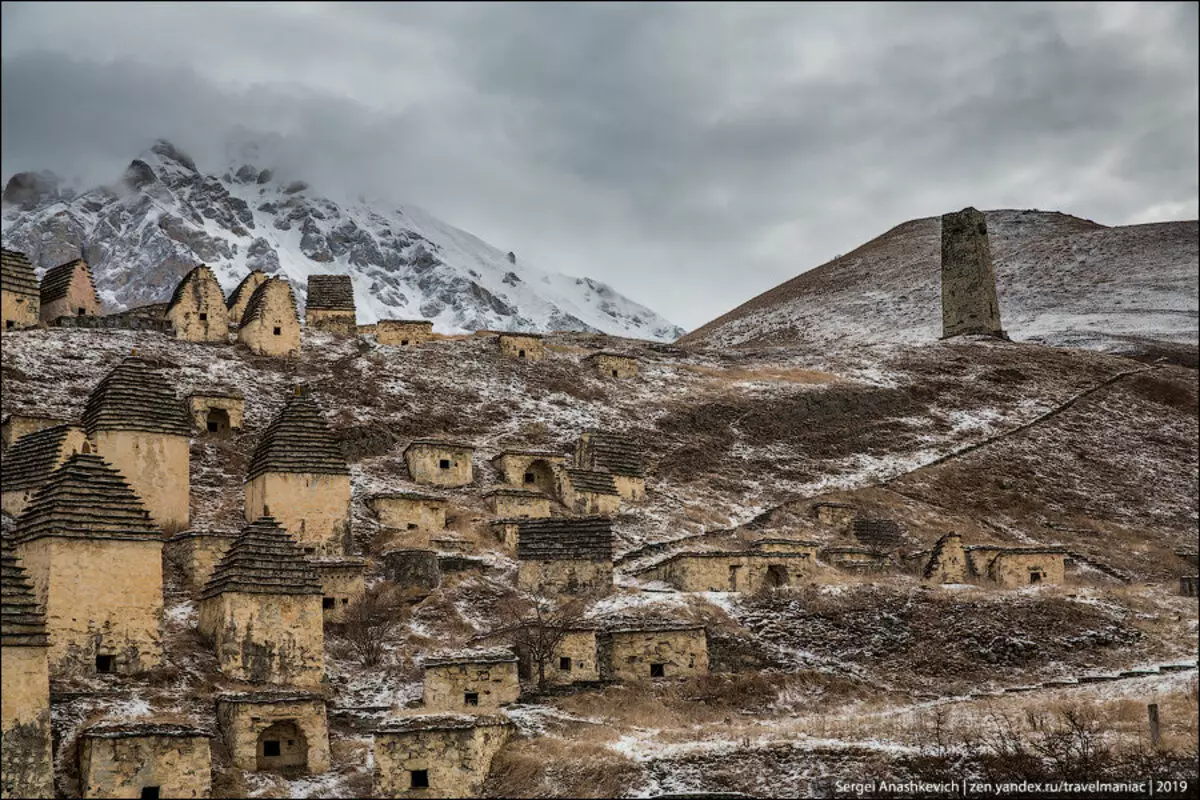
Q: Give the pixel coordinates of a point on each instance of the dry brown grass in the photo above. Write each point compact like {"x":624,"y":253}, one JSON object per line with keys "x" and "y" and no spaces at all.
{"x":550,"y":767}
{"x":763,"y":374}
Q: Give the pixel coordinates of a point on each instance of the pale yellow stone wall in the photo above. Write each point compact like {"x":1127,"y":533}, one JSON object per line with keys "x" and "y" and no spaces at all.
{"x":395,"y":332}
{"x":266,"y":638}
{"x":615,"y":366}
{"x":409,"y":514}
{"x":1013,"y":570}
{"x":25,"y":764}
{"x":630,"y":487}
{"x":783,"y":546}
{"x":200,"y":315}
{"x":589,"y":502}
{"x":425,"y":465}
{"x":507,"y":534}
{"x":313,"y":508}
{"x":835,"y":517}
{"x":580,"y":648}
{"x":950,"y":564}
{"x":514,"y":466}
{"x":342,"y":584}
{"x":526,"y":347}
{"x":157,"y":467}
{"x":80,"y":297}
{"x":180,"y":766}
{"x":733,"y":573}
{"x":18,"y":311}
{"x":197,"y":556}
{"x":496,"y":685}
{"x":279,"y":315}
{"x":682,"y":654}
{"x":13,"y":502}
{"x":243,"y":723}
{"x":17,"y":425}
{"x":456,"y":761}
{"x":239,"y":308}
{"x":553,"y":578}
{"x":342,"y":323}
{"x":200,"y":405}
{"x":102,"y":597}
{"x":519,"y":506}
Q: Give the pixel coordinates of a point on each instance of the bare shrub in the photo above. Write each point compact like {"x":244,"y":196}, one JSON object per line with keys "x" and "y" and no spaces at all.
{"x":370,"y":620}
{"x":536,"y":627}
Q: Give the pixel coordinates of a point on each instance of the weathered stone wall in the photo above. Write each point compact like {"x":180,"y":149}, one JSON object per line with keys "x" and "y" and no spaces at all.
{"x":312,"y":507}
{"x":266,"y":638}
{"x":17,"y":425}
{"x":157,"y":467}
{"x":749,"y":572}
{"x":196,"y":554}
{"x":507,"y":533}
{"x":526,"y":347}
{"x":969,"y":302}
{"x":446,"y":686}
{"x":508,"y":506}
{"x":516,"y":468}
{"x":199,"y":315}
{"x":102,"y":597}
{"x":580,"y":648}
{"x":342,"y":323}
{"x":180,"y":766}
{"x":615,"y":366}
{"x":400,"y":332}
{"x":342,"y":582}
{"x":79,"y":301}
{"x":412,"y":569}
{"x":630,"y":655}
{"x":456,"y":761}
{"x":589,"y":503}
{"x":276,"y":331}
{"x":838,"y":517}
{"x":425,"y":465}
{"x":553,"y":578}
{"x":25,"y":762}
{"x":18,"y":311}
{"x":1012,"y":570}
{"x":410,"y":514}
{"x":856,"y":560}
{"x":238,"y":309}
{"x":630,"y":487}
{"x":786,"y":546}
{"x":243,"y":723}
{"x":200,"y":405}
{"x":948,"y":563}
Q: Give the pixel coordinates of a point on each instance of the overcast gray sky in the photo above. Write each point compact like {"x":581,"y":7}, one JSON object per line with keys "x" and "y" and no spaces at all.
{"x":692,"y":155}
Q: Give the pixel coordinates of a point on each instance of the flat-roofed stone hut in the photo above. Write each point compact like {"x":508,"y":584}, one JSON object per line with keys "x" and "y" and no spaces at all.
{"x":565,"y":556}
{"x":437,"y":755}
{"x":1013,"y":567}
{"x":470,"y":680}
{"x":270,"y":325}
{"x":733,"y":570}
{"x":144,"y":758}
{"x":67,"y":291}
{"x":33,"y":460}
{"x":235,"y":305}
{"x":529,"y":469}
{"x":217,"y":412}
{"x":330,"y":305}
{"x":275,"y":731}
{"x":615,"y":454}
{"x":197,"y":309}
{"x":403,"y":332}
{"x":612,"y":365}
{"x":439,"y":462}
{"x":642,"y":652}
{"x":410,"y":511}
{"x":509,"y":502}
{"x":20,"y":297}
{"x":524,"y":346}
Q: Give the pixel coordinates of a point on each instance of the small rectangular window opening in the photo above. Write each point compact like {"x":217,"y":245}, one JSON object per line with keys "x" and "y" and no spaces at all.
{"x":658,"y":670}
{"x":564,"y":663}
{"x":418,"y":779}
{"x":150,"y":793}
{"x":328,"y":602}
{"x":271,"y":747}
{"x":278,"y":331}
{"x":471,"y":698}
{"x":212,"y":427}
{"x":530,"y":477}
{"x":203,"y":316}
{"x":520,"y":354}
{"x":104,"y":664}
{"x":9,"y":324}
{"x":444,"y":463}
{"x":80,"y":312}
{"x":614,"y":372}
{"x":404,"y":341}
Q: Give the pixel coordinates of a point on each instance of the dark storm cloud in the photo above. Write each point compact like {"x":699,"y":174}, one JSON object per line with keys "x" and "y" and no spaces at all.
{"x":690,"y":154}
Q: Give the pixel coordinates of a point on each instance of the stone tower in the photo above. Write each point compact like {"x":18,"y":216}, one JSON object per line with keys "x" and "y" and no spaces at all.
{"x":240,"y":297}
{"x":299,"y":476}
{"x":968,"y":281}
{"x":270,"y":325}
{"x":261,"y":609}
{"x":197,"y":309}
{"x":25,"y":762}
{"x":95,"y":558}
{"x":31,"y":462}
{"x":20,"y":297}
{"x":330,"y":305}
{"x":67,"y":291}
{"x":948,"y":561}
{"x":141,"y":428}
{"x":611,"y":452}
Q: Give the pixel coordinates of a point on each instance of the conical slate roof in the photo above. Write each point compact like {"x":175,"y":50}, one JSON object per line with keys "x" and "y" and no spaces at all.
{"x":298,"y":440}
{"x":33,"y":458}
{"x":135,"y":397}
{"x":16,"y":273}
{"x":330,"y":292}
{"x":22,"y":623}
{"x":264,"y":559}
{"x":86,"y":498}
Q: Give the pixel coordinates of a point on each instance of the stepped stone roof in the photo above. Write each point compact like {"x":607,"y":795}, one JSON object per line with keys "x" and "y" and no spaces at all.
{"x":57,"y":281}
{"x":331,"y":292}
{"x":512,"y":491}
{"x":442,"y":443}
{"x":496,"y":655}
{"x":257,"y":305}
{"x":1030,"y":550}
{"x":22,"y":622}
{"x":196,"y":273}
{"x":587,"y":480}
{"x":428,"y":322}
{"x":245,"y":286}
{"x":884,"y":534}
{"x":86,"y":498}
{"x":565,"y":539}
{"x":298,"y":440}
{"x":127,"y":730}
{"x":610,"y":354}
{"x":135,"y":397}
{"x":16,"y":273}
{"x":614,"y":453}
{"x":264,"y":559}
{"x":33,"y":458}
{"x":267,"y":697}
{"x":440,"y":722}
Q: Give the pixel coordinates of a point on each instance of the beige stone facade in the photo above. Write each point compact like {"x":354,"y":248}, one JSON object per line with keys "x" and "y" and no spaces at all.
{"x":275,"y":731}
{"x":16,"y":425}
{"x":126,"y":760}
{"x":529,"y":469}
{"x":439,"y":463}
{"x":581,"y":499}
{"x":157,"y":466}
{"x":197,"y":309}
{"x":571,"y":577}
{"x":631,"y":488}
{"x":343,"y":580}
{"x":403,"y":332}
{"x":67,"y":291}
{"x":948,"y":561}
{"x":521,"y":346}
{"x":441,"y":755}
{"x":217,"y":414}
{"x":733,"y":571}
{"x":409,"y":511}
{"x":518,"y":504}
{"x":270,"y":325}
{"x":266,"y":638}
{"x":856,"y":559}
{"x":196,"y":553}
{"x":575,"y":659}
{"x":471,"y":682}
{"x":780,"y":545}
{"x":19,"y":305}
{"x":240,"y":298}
{"x":25,"y":763}
{"x":313,"y":507}
{"x":1013,"y":567}
{"x":613,"y":365}
{"x":342,"y":323}
{"x":640,"y":655}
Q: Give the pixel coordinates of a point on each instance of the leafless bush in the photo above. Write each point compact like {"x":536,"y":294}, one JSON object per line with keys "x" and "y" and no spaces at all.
{"x":369,"y":621}
{"x":536,"y":627}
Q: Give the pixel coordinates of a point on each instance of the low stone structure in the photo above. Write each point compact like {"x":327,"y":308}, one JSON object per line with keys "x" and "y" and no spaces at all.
{"x":565,"y":556}
{"x":615,"y":454}
{"x":1013,"y":567}
{"x":132,"y":320}
{"x":299,"y":476}
{"x":410,"y":511}
{"x":452,"y":544}
{"x":838,"y":516}
{"x":32,"y":460}
{"x":144,"y":759}
{"x":784,"y":545}
{"x":512,"y":503}
{"x":948,"y":561}
{"x":529,"y":469}
{"x":275,"y":731}
{"x":26,"y":765}
{"x":196,"y":554}
{"x":67,"y":291}
{"x":236,"y":304}
{"x":343,"y":580}
{"x":138,"y":424}
{"x":969,"y":304}
{"x":644,"y":652}
{"x":217,"y":412}
{"x":412,"y":569}
{"x":329,"y":305}
{"x":471,"y":680}
{"x":856,"y":559}
{"x":403,"y":332}
{"x":270,"y":325}
{"x":437,"y":755}
{"x":526,"y":346}
{"x":733,"y":570}
{"x":575,"y":659}
{"x":20,"y":423}
{"x":261,"y":610}
{"x":20,"y":297}
{"x":612,"y":365}
{"x":439,"y":462}
{"x":95,"y":560}
{"x":586,"y":491}
{"x":197,"y":310}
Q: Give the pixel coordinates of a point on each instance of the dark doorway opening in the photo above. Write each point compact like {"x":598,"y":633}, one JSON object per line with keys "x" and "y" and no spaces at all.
{"x":777,"y":576}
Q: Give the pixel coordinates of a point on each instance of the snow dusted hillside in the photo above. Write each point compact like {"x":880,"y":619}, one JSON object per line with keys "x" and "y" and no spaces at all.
{"x":165,"y":215}
{"x":1061,"y":280}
